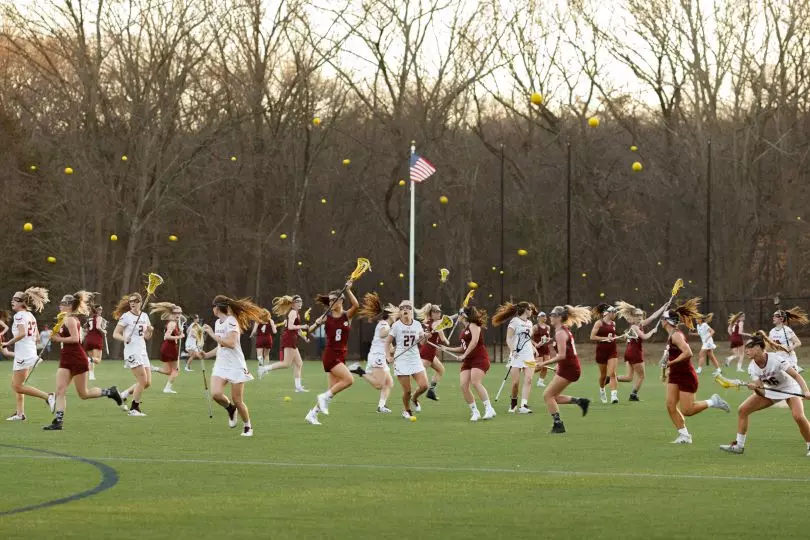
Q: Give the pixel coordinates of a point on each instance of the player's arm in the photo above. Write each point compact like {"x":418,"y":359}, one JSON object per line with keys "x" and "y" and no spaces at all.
{"x":799,"y":379}
{"x":255,"y":329}
{"x":353,"y":300}
{"x":21,"y":333}
{"x":686,"y":352}
{"x":118,"y":333}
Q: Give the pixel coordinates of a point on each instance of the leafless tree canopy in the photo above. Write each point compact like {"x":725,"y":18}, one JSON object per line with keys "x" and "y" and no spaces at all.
{"x":214,"y":104}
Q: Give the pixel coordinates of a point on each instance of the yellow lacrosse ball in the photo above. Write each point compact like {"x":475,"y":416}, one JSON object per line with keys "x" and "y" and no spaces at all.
{"x":472,"y":285}
{"x":522,"y":252}
{"x":283,"y":236}
{"x":323,"y":200}
{"x":233,"y":158}
{"x":593,"y":121}
{"x":114,"y":238}
{"x":633,"y":148}
{"x":333,"y":231}
{"x":435,"y":225}
{"x":413,"y":419}
{"x":51,"y":260}
{"x":124,"y":158}
{"x":537,"y":98}
{"x":68,"y":170}
{"x":443,"y":199}
{"x":637,"y":166}
{"x":33,"y":168}
{"x":584,"y":274}
{"x":28,"y":227}
{"x":402,"y":182}
{"x":316,"y":121}
{"x":346,"y":161}
{"x":172,"y":238}
{"x":401,"y":275}
{"x":287,"y":399}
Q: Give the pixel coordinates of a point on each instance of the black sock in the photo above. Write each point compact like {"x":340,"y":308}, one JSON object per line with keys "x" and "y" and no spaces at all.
{"x":105,"y":392}
{"x":556,"y":417}
{"x":136,"y":406}
{"x":514,"y":402}
{"x":635,"y":391}
{"x":60,"y":415}
{"x":231,"y":408}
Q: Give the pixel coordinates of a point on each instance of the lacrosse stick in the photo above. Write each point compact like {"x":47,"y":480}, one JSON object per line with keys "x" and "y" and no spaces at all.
{"x":737,"y":383}
{"x":503,"y":382}
{"x":443,"y":273}
{"x":154,"y":281}
{"x":103,"y":326}
{"x":464,"y":304}
{"x":445,"y":322}
{"x":181,"y":323}
{"x":675,"y":289}
{"x":363,"y":266}
{"x":206,"y":392}
{"x":445,"y":351}
{"x":306,"y":315}
{"x":60,"y":320}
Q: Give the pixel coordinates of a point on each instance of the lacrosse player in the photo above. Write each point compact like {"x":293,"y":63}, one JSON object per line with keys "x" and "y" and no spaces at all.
{"x":263,"y":332}
{"x":783,"y":334}
{"x":634,"y":351}
{"x":407,"y":333}
{"x":521,"y":351}
{"x":607,"y":354}
{"x":429,"y":315}
{"x":133,"y":329}
{"x":707,"y":345}
{"x":289,"y":308}
{"x":194,"y":341}
{"x":474,"y":361}
{"x":377,"y":373}
{"x":541,"y":344}
{"x":172,"y":336}
{"x":94,"y":340}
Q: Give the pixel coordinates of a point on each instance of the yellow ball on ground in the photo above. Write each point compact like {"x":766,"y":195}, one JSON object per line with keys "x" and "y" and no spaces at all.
{"x":68,"y":170}
{"x":124,"y":158}
{"x":593,"y":121}
{"x":413,"y":419}
{"x":472,"y":285}
{"x":402,"y":182}
{"x":346,"y":161}
{"x":316,"y":121}
{"x":537,"y":98}
{"x":633,"y":148}
{"x":28,"y":227}
{"x":172,"y":238}
{"x":114,"y":237}
{"x":51,"y":260}
{"x":287,"y":399}
{"x":522,"y":252}
{"x":283,"y":236}
{"x":443,"y":199}
{"x":637,"y":166}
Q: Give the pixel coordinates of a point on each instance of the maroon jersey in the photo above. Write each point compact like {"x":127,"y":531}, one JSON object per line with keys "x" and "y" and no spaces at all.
{"x":634,"y":352}
{"x":428,"y":352}
{"x":569,"y":368}
{"x":263,"y":330}
{"x":94,"y":340}
{"x":337,"y":333}
{"x":539,"y":333}
{"x":168,"y":349}
{"x":480,"y":351}
{"x":605,"y":351}
{"x":673,"y":352}
{"x":289,"y":338}
{"x":72,"y":355}
{"x":735,"y":337}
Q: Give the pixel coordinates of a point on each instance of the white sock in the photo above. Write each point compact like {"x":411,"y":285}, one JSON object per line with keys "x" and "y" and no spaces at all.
{"x":314,"y":410}
{"x":684,"y":431}
{"x":523,"y":402}
{"x":487,"y":404}
{"x":381,"y":403}
{"x":247,"y":425}
{"x":329,"y":395}
{"x":125,"y":394}
{"x":473,"y":407}
{"x":741,"y":440}
{"x":614,"y":392}
{"x":298,"y":382}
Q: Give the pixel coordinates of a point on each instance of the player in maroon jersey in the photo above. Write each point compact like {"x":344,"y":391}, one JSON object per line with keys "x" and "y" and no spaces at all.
{"x":73,"y":363}
{"x":568,"y":369}
{"x":634,"y":351}
{"x":94,"y":340}
{"x":264,"y":339}
{"x":736,"y":329}
{"x":682,"y":381}
{"x":604,"y":334}
{"x":337,"y":323}
{"x":430,"y":315}
{"x":289,"y":307}
{"x":541,"y":340}
{"x":169,"y":349}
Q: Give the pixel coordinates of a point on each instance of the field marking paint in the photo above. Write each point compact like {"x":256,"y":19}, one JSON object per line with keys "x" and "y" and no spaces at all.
{"x":422,"y":468}
{"x":109,"y":478}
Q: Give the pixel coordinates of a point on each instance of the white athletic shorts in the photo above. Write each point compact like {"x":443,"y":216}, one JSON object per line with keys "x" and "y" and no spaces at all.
{"x":376,"y":361}
{"x":408,"y":367}
{"x":231,"y":374}
{"x":519,"y":363}
{"x":192,"y":348}
{"x":137,"y":359}
{"x":708,"y":346}
{"x":24,"y":363}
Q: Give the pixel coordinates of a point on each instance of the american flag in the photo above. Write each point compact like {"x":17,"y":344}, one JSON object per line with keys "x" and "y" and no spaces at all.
{"x":421,"y":169}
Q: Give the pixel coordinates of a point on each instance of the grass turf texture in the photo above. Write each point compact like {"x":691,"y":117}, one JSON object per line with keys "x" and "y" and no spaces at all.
{"x":365,"y":475}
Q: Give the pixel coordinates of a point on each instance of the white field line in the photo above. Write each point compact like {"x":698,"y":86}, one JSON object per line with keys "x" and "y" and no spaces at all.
{"x":423,"y":468}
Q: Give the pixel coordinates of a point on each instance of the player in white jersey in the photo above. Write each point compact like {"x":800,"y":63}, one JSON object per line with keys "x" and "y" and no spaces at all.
{"x":707,"y":346}
{"x":233,"y":318}
{"x":377,"y":373}
{"x":770,"y":373}
{"x":24,"y":340}
{"x":784,"y":335}
{"x":133,"y":329}
{"x":407,"y":333}
{"x":521,"y":350}
{"x":195,"y":339}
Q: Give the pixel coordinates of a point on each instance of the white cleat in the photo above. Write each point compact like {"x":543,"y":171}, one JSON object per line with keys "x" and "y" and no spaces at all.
{"x":719,"y":403}
{"x":416,"y":406}
{"x":699,"y":370}
{"x":406,"y":415}
{"x":524,"y":410}
{"x":312,"y":418}
{"x":168,"y":391}
{"x":301,"y":389}
{"x":154,"y":369}
{"x":683,"y":439}
{"x":383,"y":409}
{"x":136,"y":412}
{"x":323,"y":404}
{"x":188,"y":369}
{"x":16,"y":418}
{"x":476,"y":416}
{"x":603,"y":395}
{"x":732,"y":448}
{"x":512,"y":409}
{"x":489,"y":414}
{"x":614,"y":397}
{"x":262,"y":371}
{"x":52,"y":402}
{"x":248,"y":432}
{"x":717,"y":372}
{"x":541,"y":383}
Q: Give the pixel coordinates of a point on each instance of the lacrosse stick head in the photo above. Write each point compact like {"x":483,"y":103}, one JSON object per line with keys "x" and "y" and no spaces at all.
{"x":467,"y":298}
{"x":153,"y":282}
{"x":445,"y":323}
{"x":443,"y":273}
{"x":307,"y":314}
{"x":60,"y":320}
{"x":363,"y":266}
{"x":728,"y":383}
{"x":677,"y":287}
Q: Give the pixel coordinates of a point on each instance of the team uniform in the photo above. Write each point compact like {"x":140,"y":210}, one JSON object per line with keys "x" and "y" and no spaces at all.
{"x":72,"y":356}
{"x":134,"y":327}
{"x":606,"y":350}
{"x":479,"y":357}
{"x":523,"y":351}
{"x":94,"y":340}
{"x":539,"y":333}
{"x":230,"y":363}
{"x":289,"y":338}
{"x":634,"y":351}
{"x":774,"y":376}
{"x":428,"y":352}
{"x":169,"y":348}
{"x":735,"y":338}
{"x":784,"y":336}
{"x":264,"y":337}
{"x":683,"y":373}
{"x":25,"y":350}
{"x":337,"y":341}
{"x":192,"y":343}
{"x":405,"y":336}
{"x":569,"y":368}
{"x":706,"y":337}
{"x":376,"y":355}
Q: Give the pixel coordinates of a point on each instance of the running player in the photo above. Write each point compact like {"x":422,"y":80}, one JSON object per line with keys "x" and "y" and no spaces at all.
{"x":707,"y":346}
{"x":783,"y":334}
{"x":289,"y":307}
{"x":430,"y":315}
{"x":172,"y":336}
{"x":407,"y":333}
{"x":133,"y":329}
{"x":736,"y":328}
{"x":607,"y":354}
{"x":94,"y":340}
{"x":636,"y":336}
{"x":195,"y":341}
{"x":541,"y":342}
{"x":377,"y":373}
{"x":521,"y":350}
{"x":264,"y":339}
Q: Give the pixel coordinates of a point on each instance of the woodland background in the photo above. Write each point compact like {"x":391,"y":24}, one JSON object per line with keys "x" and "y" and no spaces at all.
{"x":213,"y":104}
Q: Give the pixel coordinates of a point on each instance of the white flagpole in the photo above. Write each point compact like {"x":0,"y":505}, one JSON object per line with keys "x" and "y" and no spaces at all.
{"x":412,"y":237}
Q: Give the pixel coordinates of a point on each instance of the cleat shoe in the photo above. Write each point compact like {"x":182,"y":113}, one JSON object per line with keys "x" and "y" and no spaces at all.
{"x":136,"y":412}
{"x":732,"y":448}
{"x":357,"y":369}
{"x":524,"y":409}
{"x":431,"y":394}
{"x":248,"y":432}
{"x":614,"y":397}
{"x":323,"y":404}
{"x":476,"y":416}
{"x":512,"y":409}
{"x":168,"y":391}
{"x":231,"y":415}
{"x":154,"y":369}
{"x":51,"y":402}
{"x":262,"y":371}
{"x":699,"y":370}
{"x":16,"y":418}
{"x":633,"y":397}
{"x":719,"y":403}
{"x":188,"y":369}
{"x":558,"y":428}
{"x":584,"y":403}
{"x":489,"y":414}
{"x":383,"y":409}
{"x":541,"y":383}
{"x":300,"y":390}
{"x":115,"y":396}
{"x":56,"y":425}
{"x":312,"y":418}
{"x":603,"y":395}
{"x":416,"y":406}
{"x":407,"y":415}
{"x":717,"y":372}
{"x":683,"y":439}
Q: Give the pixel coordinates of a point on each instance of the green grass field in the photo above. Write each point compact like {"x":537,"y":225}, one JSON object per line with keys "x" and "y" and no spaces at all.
{"x":365,"y":475}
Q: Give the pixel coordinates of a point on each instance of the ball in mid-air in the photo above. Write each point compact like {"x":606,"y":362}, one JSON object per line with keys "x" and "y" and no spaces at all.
{"x":68,"y":170}
{"x":124,"y":158}
{"x":633,"y":148}
{"x":401,"y":275}
{"x":402,"y":183}
{"x":114,"y":238}
{"x":593,"y":121}
{"x":172,"y":238}
{"x":283,"y":236}
{"x":316,"y":121}
{"x":443,"y":199}
{"x":51,"y":260}
{"x":233,"y":158}
{"x":28,"y":227}
{"x":346,"y":161}
{"x":537,"y":98}
{"x":33,"y":168}
{"x":637,"y":166}
{"x":522,"y":252}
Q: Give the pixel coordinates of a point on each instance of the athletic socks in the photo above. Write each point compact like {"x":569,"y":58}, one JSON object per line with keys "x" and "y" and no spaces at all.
{"x":473,"y":406}
{"x":487,"y":404}
{"x":298,"y":382}
{"x":136,"y":406}
{"x":741,"y":441}
{"x":556,"y":417}
{"x":329,"y":395}
{"x":524,"y":402}
{"x":60,"y":416}
{"x":684,"y":431}
{"x":381,"y":403}
{"x":513,"y":403}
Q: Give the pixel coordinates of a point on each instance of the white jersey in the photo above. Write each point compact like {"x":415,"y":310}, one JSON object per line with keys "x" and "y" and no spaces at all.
{"x":405,"y":336}
{"x":226,"y":357}
{"x":378,"y":343}
{"x":522,"y":340}
{"x":774,"y":376}
{"x":784,"y":336}
{"x":191,"y":337}
{"x":705,"y":334}
{"x":137,"y":342}
{"x":26,"y":348}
